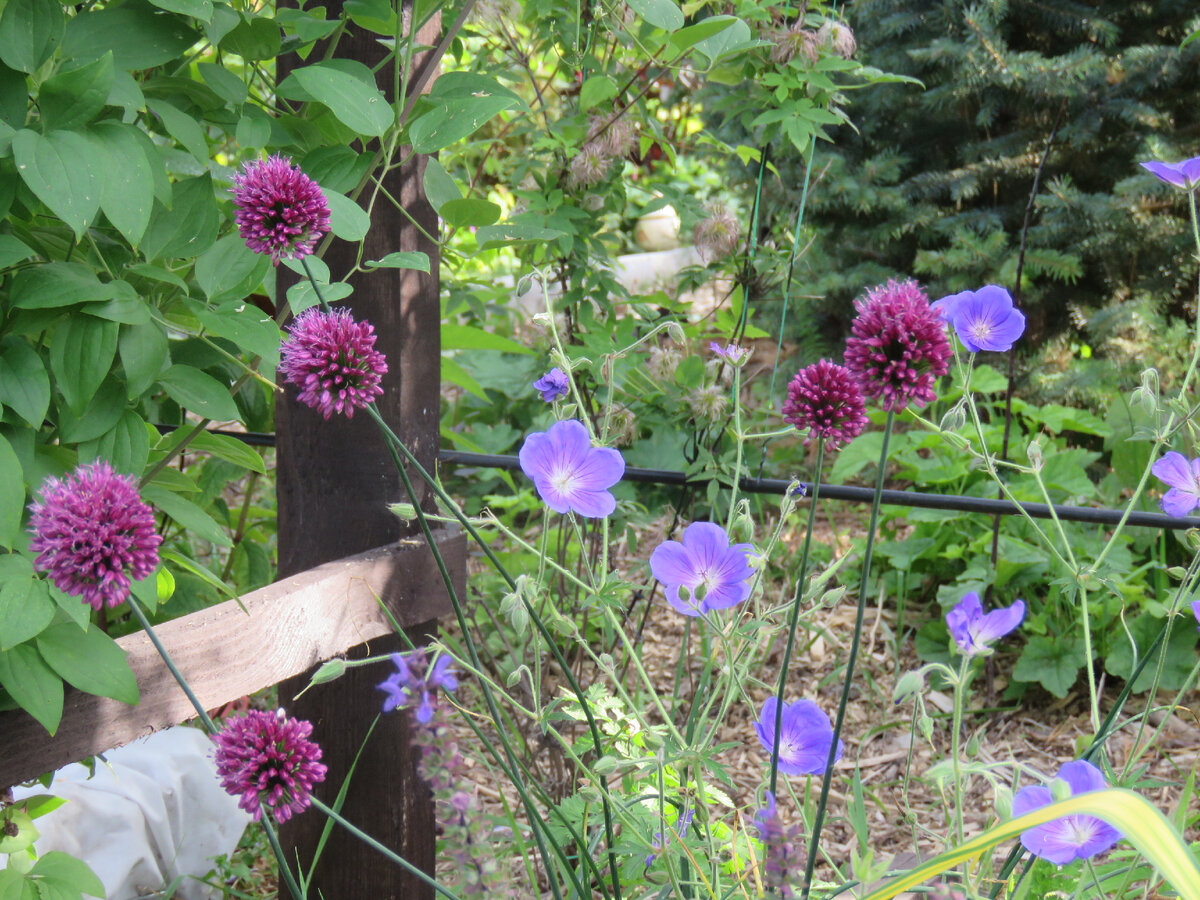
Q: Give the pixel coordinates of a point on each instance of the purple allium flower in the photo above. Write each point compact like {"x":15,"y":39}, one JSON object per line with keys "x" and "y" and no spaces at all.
{"x":1183,"y":478}
{"x":414,"y":680}
{"x":682,"y":823}
{"x":553,"y":384}
{"x":898,"y":345}
{"x":93,"y":534}
{"x":703,"y":572}
{"x":733,"y":353}
{"x":783,"y":865}
{"x":332,"y":358}
{"x":569,"y":473}
{"x":984,"y":319}
{"x":280,"y":210}
{"x":826,"y":400}
{"x":1185,"y":174}
{"x":1071,"y":837}
{"x":269,"y":760}
{"x":973,"y":631}
{"x":807,"y":734}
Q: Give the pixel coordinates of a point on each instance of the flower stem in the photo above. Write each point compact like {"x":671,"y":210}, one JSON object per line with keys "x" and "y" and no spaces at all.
{"x":795,"y":616}
{"x":863,"y":586}
{"x":960,"y":697}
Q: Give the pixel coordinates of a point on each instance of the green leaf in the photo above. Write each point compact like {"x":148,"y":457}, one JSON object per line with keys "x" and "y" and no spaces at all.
{"x":1054,"y":663}
{"x":440,"y":188}
{"x":75,"y":97}
{"x":70,"y":875}
{"x":82,"y":350}
{"x":23,"y":611}
{"x":74,"y":608}
{"x":257,"y":38}
{"x":726,"y":42}
{"x":252,"y":132}
{"x":197,"y":9}
{"x":229,"y":270}
{"x":356,"y":103}
{"x":227,"y":86}
{"x":144,"y":351}
{"x":102,"y":413}
{"x":189,"y":227}
{"x":25,"y":833}
{"x":126,"y":445}
{"x":402,"y":259}
{"x":139,"y":36}
{"x":459,"y":103}
{"x":1181,"y":652}
{"x":57,"y":284}
{"x":12,"y":251}
{"x":347,"y":219}
{"x":33,"y":684}
{"x":182,"y":127}
{"x":24,"y":384}
{"x":58,"y":168}
{"x":245,"y":324}
{"x":595,"y":91}
{"x":302,"y":295}
{"x":12,"y":494}
{"x":230,"y":449}
{"x":470,"y":211}
{"x":126,"y":307}
{"x":686,"y":38}
{"x":507,"y":233}
{"x":15,"y":886}
{"x":336,"y":168}
{"x":90,"y":661}
{"x":127,"y":94}
{"x":465,"y":337}
{"x":454,"y":373}
{"x":186,"y":513}
{"x":30,"y":31}
{"x":664,"y":14}
{"x":200,"y":393}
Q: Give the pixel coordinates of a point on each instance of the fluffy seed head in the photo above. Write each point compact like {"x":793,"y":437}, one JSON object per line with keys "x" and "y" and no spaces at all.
{"x":332,"y":358}
{"x":898,"y":345}
{"x":826,"y":400}
{"x":792,"y":42}
{"x":280,"y":210}
{"x":93,"y":534}
{"x":589,"y":167}
{"x":717,"y":236}
{"x":268,"y":759}
{"x":838,"y":38}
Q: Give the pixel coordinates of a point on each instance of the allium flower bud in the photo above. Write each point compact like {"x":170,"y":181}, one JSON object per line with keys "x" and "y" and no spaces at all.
{"x":826,"y":400}
{"x":898,"y":346}
{"x":717,"y":236}
{"x":93,"y":534}
{"x":280,"y":210}
{"x":332,"y":358}
{"x":269,"y":760}
{"x":837,"y":37}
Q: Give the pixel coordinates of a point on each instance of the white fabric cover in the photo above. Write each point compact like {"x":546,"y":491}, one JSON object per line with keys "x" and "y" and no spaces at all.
{"x":155,"y":811}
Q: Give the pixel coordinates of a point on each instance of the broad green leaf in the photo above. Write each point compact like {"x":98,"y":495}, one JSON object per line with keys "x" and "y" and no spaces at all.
{"x":14,"y":97}
{"x":465,"y":337}
{"x":66,"y":873}
{"x":1134,"y":816}
{"x":310,"y":25}
{"x":1052,"y":662}
{"x":197,"y":9}
{"x":139,"y":36}
{"x":82,"y":349}
{"x":30,"y":31}
{"x":459,"y":103}
{"x":507,"y":233}
{"x":23,"y":833}
{"x":15,"y":886}
{"x":57,"y":284}
{"x":252,"y":132}
{"x":200,"y":393}
{"x":440,"y":188}
{"x":73,"y":98}
{"x":127,"y":191}
{"x":228,"y":86}
{"x":454,"y":373}
{"x":231,"y":449}
{"x":402,"y":259}
{"x":686,"y":38}
{"x":58,"y":168}
{"x":664,"y":14}
{"x":23,"y":611}
{"x":375,"y":15}
{"x":189,"y":227}
{"x":357,"y":104}
{"x":726,"y":42}
{"x":33,"y":684}
{"x":198,"y":570}
{"x":302,"y":295}
{"x":257,"y":38}
{"x":196,"y":521}
{"x":596,"y":90}
{"x":102,"y":413}
{"x":127,"y":94}
{"x":470,"y":211}
{"x":90,"y":661}
{"x":157,"y":273}
{"x":126,"y":445}
{"x":336,"y":168}
{"x":144,"y":351}
{"x":347,"y":219}
{"x":12,"y":494}
{"x":229,"y":270}
{"x":1180,"y":653}
{"x":12,"y":251}
{"x":24,"y":384}
{"x":126,"y":306}
{"x":182,"y":127}
{"x":253,"y":330}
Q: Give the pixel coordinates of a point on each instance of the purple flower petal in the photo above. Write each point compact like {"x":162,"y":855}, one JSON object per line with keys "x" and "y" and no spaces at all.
{"x":1174,"y":470}
{"x":553,"y":384}
{"x":269,"y":760}
{"x":973,"y":632}
{"x":279,"y":210}
{"x":569,"y":474}
{"x":1000,"y":622}
{"x":1185,"y":174}
{"x":984,"y":319}
{"x":1071,"y":837}
{"x":1196,"y":612}
{"x":1179,"y":503}
{"x":805,"y":739}
{"x":704,"y":563}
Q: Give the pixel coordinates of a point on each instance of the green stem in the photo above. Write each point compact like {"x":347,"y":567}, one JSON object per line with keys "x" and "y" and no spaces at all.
{"x":863,"y":587}
{"x":795,"y":617}
{"x":960,"y":696}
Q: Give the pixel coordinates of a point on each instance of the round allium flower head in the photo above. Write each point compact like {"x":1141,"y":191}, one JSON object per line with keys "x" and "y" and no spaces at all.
{"x":93,"y":534}
{"x":825,"y":400}
{"x":1072,"y":837}
{"x":268,"y":759}
{"x":332,"y":358}
{"x":280,"y":210}
{"x":898,"y":345}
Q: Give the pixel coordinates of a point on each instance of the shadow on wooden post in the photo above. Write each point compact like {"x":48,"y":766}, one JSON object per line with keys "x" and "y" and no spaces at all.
{"x":335,"y":481}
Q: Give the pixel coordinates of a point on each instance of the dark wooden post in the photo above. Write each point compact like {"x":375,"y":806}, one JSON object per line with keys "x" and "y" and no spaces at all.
{"x":334,"y":481}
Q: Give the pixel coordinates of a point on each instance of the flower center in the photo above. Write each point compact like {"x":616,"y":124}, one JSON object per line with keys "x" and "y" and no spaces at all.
{"x":1080,"y":830}
{"x":981,"y":330}
{"x":565,"y":480}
